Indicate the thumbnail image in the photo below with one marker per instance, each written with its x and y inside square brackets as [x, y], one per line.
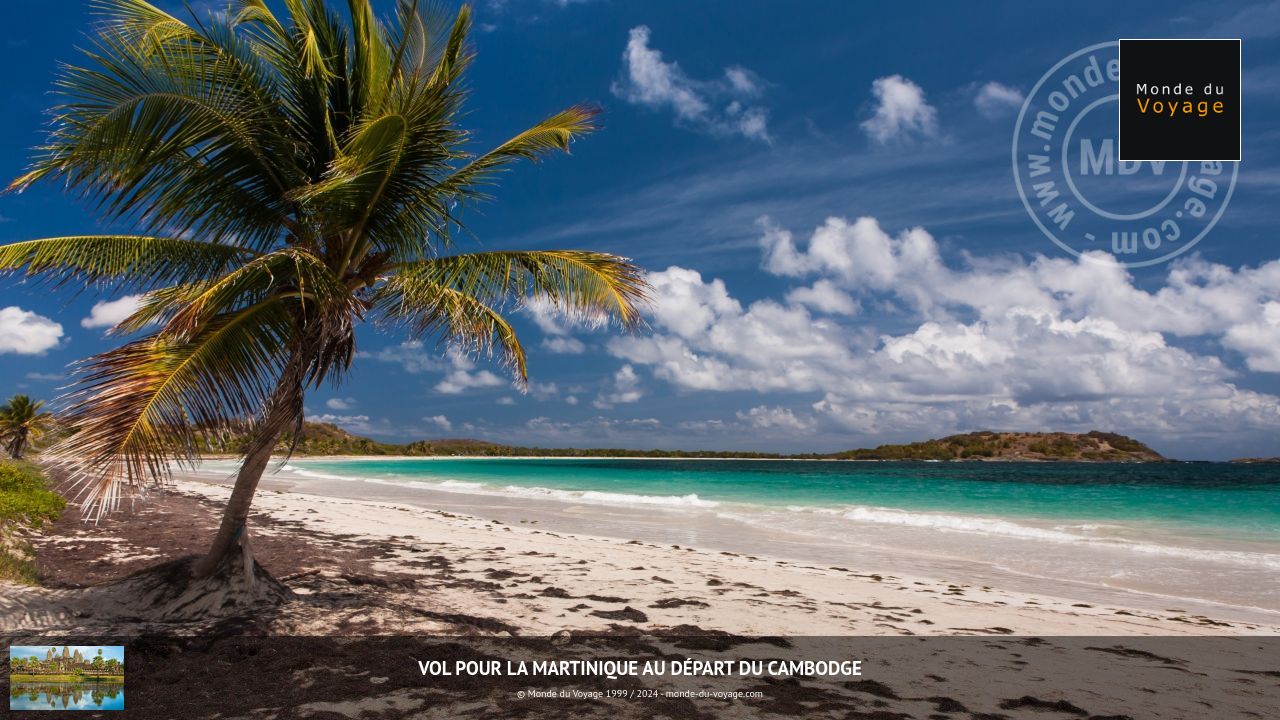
[67, 677]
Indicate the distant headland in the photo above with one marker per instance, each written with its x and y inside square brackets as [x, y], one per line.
[321, 439]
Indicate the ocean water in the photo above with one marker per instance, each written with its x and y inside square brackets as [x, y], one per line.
[1187, 530]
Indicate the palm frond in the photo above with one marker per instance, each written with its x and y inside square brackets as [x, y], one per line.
[460, 297]
[555, 133]
[455, 319]
[126, 261]
[582, 284]
[143, 405]
[289, 272]
[174, 129]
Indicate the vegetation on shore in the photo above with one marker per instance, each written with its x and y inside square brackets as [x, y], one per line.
[22, 422]
[26, 505]
[326, 439]
[66, 666]
[1093, 446]
[87, 677]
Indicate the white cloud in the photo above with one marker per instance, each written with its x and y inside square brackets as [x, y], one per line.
[352, 423]
[595, 431]
[506, 400]
[901, 111]
[460, 372]
[626, 389]
[707, 341]
[111, 312]
[556, 323]
[775, 418]
[340, 403]
[1258, 339]
[46, 377]
[742, 80]
[824, 296]
[411, 355]
[361, 424]
[564, 346]
[1049, 343]
[464, 376]
[25, 333]
[995, 101]
[719, 107]
[440, 421]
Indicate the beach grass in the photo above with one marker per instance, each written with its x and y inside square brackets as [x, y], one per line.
[26, 504]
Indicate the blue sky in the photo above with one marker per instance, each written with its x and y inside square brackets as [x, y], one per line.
[824, 197]
[89, 651]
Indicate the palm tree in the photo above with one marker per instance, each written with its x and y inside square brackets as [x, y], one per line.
[22, 422]
[284, 179]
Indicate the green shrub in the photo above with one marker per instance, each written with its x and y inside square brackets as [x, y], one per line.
[25, 503]
[24, 499]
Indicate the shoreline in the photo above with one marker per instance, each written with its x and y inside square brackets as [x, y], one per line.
[1033, 461]
[1150, 563]
[1055, 597]
[373, 565]
[1048, 599]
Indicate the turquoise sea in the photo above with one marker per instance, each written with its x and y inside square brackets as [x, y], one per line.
[1203, 530]
[1210, 499]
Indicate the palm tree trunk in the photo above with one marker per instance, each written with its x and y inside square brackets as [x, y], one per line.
[281, 412]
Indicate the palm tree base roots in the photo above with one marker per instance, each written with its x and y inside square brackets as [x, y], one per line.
[172, 593]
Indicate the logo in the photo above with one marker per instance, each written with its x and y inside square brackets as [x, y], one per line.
[1180, 100]
[1080, 194]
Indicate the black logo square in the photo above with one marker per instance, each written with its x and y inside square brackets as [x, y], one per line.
[1179, 100]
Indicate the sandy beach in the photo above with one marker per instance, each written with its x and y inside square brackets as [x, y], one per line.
[405, 568]
[377, 585]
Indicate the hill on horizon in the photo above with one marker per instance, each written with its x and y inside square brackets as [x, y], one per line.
[322, 439]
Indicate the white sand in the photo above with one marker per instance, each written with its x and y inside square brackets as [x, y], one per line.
[679, 585]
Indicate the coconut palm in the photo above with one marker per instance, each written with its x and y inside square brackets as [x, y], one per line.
[21, 423]
[284, 178]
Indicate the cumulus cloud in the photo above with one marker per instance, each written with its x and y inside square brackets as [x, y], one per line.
[720, 107]
[412, 355]
[361, 424]
[706, 340]
[556, 324]
[626, 389]
[994, 342]
[901, 111]
[352, 423]
[340, 403]
[1258, 339]
[440, 421]
[824, 296]
[564, 346]
[995, 101]
[464, 376]
[597, 430]
[23, 332]
[460, 371]
[764, 417]
[111, 312]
